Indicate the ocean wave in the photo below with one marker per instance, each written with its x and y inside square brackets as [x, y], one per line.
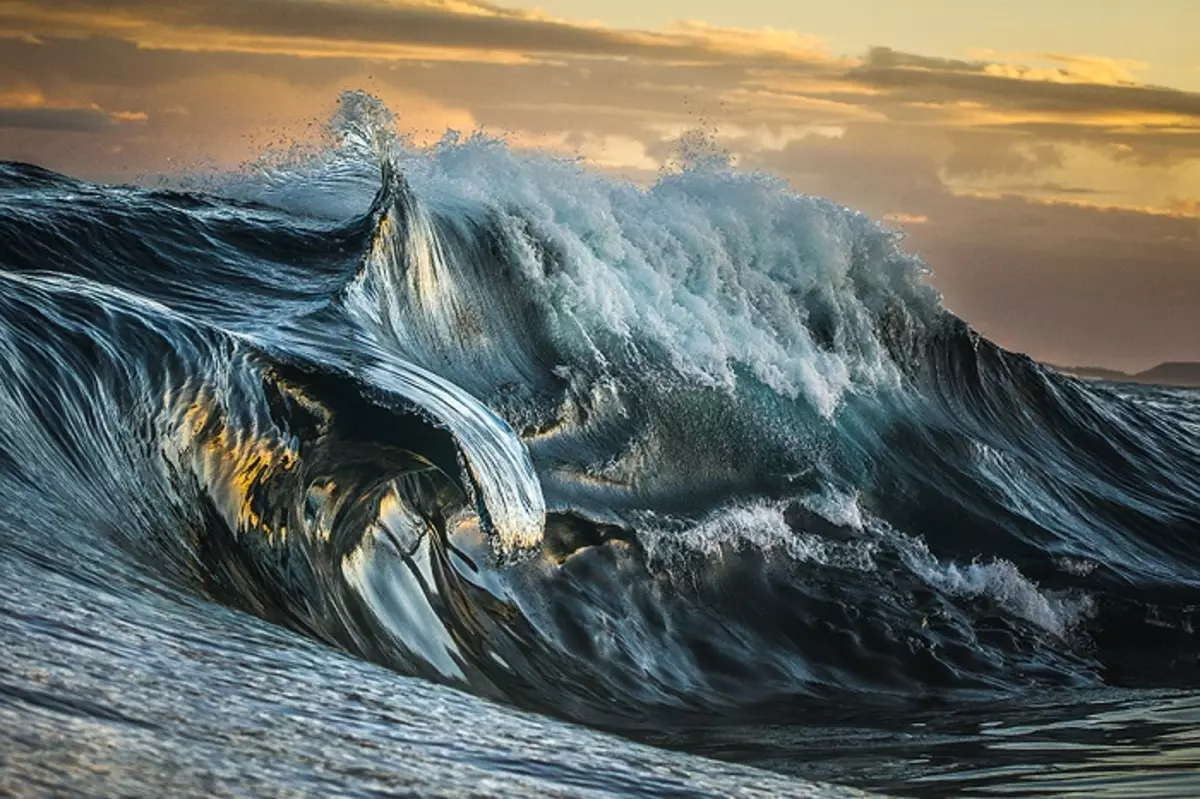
[600, 450]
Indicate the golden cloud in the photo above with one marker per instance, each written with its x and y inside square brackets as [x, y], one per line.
[1184, 206]
[1176, 208]
[1059, 68]
[901, 218]
[388, 30]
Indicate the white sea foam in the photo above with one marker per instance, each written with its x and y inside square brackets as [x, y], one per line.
[1003, 582]
[709, 268]
[760, 527]
[763, 527]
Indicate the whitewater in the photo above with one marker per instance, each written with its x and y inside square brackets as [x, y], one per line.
[462, 470]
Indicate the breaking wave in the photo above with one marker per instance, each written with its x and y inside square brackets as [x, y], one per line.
[631, 456]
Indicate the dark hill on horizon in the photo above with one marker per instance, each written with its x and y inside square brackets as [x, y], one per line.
[1169, 373]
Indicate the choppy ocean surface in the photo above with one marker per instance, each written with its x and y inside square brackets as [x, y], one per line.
[391, 470]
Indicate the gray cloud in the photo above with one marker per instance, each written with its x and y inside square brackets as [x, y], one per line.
[1147, 145]
[953, 82]
[886, 58]
[104, 63]
[76, 120]
[352, 23]
[988, 152]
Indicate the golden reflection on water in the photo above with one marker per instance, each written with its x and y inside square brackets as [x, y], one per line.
[235, 462]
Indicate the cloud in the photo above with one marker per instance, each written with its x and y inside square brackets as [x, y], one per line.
[1185, 206]
[992, 115]
[987, 152]
[75, 120]
[1176, 207]
[1015, 86]
[1062, 68]
[901, 218]
[777, 76]
[128, 116]
[404, 30]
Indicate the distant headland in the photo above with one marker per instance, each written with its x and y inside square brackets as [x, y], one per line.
[1171, 373]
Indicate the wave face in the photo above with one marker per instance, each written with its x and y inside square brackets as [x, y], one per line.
[646, 459]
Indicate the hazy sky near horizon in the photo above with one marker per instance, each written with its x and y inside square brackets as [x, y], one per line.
[1044, 157]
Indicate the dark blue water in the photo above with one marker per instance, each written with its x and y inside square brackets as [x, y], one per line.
[456, 470]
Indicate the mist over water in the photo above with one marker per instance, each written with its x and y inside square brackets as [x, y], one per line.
[390, 468]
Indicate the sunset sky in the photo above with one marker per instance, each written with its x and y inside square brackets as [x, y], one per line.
[1044, 157]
